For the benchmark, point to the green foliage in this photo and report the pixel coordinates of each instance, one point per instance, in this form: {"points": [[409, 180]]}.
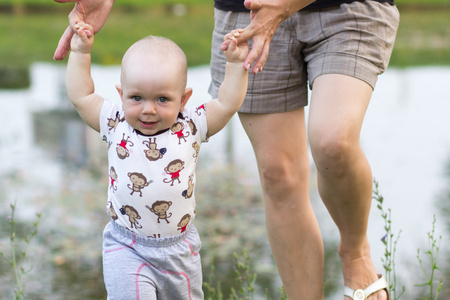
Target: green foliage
{"points": [[13, 77], [244, 277], [33, 34], [432, 252], [422, 37], [230, 217], [428, 3], [134, 3], [390, 243], [67, 245], [245, 280], [18, 257]]}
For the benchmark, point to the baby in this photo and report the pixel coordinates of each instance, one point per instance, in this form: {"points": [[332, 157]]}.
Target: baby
{"points": [[150, 246]]}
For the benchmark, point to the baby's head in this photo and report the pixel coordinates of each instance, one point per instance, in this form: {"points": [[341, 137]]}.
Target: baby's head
{"points": [[153, 84]]}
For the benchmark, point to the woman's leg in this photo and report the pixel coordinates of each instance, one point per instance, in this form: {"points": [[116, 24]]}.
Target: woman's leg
{"points": [[280, 144], [338, 106]]}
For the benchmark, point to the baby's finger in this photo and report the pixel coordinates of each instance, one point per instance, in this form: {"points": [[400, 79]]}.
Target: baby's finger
{"points": [[234, 33], [225, 45], [78, 25], [228, 36], [233, 45], [237, 32], [85, 30]]}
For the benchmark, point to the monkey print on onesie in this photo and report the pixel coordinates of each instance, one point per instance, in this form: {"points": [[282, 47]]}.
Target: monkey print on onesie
{"points": [[152, 178]]}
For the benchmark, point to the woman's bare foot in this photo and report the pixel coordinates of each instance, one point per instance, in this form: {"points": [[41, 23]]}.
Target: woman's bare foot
{"points": [[359, 271]]}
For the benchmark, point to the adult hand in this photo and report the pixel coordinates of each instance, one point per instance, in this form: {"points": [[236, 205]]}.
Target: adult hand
{"points": [[93, 12], [266, 16]]}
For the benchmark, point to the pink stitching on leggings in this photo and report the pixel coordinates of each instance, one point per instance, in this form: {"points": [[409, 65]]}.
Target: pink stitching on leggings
{"points": [[164, 272], [190, 247], [124, 247]]}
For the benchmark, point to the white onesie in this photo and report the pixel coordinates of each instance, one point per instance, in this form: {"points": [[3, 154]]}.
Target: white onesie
{"points": [[152, 178]]}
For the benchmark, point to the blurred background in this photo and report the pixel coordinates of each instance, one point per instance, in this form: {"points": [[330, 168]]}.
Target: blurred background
{"points": [[52, 164]]}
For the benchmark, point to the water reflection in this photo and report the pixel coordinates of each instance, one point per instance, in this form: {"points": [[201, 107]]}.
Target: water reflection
{"points": [[50, 162]]}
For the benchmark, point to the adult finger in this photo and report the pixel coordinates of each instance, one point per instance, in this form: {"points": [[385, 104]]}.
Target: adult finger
{"points": [[253, 4], [257, 47], [254, 53], [64, 44], [262, 58]]}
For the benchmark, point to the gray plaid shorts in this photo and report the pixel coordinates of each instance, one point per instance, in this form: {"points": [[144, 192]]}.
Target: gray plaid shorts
{"points": [[354, 39]]}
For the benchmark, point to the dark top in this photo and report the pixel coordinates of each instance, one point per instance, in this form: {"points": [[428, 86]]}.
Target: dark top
{"points": [[238, 5]]}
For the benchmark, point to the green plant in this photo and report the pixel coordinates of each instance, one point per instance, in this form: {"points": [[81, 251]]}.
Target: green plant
{"points": [[390, 245], [433, 251], [245, 280], [18, 259], [283, 293], [211, 292], [244, 276]]}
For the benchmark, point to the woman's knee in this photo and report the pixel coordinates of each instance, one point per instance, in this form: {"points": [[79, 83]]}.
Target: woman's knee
{"points": [[281, 176], [333, 153]]}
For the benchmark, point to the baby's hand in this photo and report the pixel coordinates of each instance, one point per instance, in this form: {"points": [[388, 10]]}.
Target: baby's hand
{"points": [[235, 53], [83, 39]]}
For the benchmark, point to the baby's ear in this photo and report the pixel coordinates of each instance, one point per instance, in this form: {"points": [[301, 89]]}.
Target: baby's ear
{"points": [[119, 90], [184, 99]]}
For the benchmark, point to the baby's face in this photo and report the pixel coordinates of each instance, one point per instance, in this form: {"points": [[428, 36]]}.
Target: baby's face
{"points": [[152, 96]]}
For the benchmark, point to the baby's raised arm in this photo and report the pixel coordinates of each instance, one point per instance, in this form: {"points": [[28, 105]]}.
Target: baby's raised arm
{"points": [[233, 88], [79, 83]]}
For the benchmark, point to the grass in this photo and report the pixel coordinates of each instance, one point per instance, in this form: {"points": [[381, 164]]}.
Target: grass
{"points": [[32, 36], [422, 38]]}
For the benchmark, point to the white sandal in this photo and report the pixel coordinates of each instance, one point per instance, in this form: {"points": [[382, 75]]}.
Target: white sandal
{"points": [[360, 294]]}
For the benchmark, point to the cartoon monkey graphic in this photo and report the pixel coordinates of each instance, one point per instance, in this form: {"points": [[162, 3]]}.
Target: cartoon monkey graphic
{"points": [[113, 176], [177, 128], [199, 109], [122, 150], [160, 209], [196, 147], [173, 169], [108, 144], [190, 190], [153, 153], [184, 222], [192, 126], [111, 212], [113, 123], [132, 214], [139, 182]]}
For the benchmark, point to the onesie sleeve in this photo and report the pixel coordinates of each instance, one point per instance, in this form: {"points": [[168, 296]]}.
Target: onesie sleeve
{"points": [[196, 118], [110, 116]]}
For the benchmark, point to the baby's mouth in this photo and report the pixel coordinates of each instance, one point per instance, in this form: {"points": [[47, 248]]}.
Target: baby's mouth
{"points": [[148, 124]]}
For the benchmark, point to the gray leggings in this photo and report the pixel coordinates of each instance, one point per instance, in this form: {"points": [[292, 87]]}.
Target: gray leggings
{"points": [[136, 267]]}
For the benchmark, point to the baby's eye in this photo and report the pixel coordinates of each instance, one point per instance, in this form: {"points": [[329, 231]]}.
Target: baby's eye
{"points": [[162, 99], [136, 98]]}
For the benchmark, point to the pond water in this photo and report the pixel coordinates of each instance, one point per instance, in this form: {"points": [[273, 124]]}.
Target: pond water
{"points": [[406, 136]]}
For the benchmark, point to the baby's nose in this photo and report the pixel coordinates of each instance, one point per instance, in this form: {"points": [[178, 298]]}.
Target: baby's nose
{"points": [[149, 107]]}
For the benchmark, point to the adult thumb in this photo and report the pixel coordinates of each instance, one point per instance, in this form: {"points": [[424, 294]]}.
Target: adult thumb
{"points": [[253, 4]]}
